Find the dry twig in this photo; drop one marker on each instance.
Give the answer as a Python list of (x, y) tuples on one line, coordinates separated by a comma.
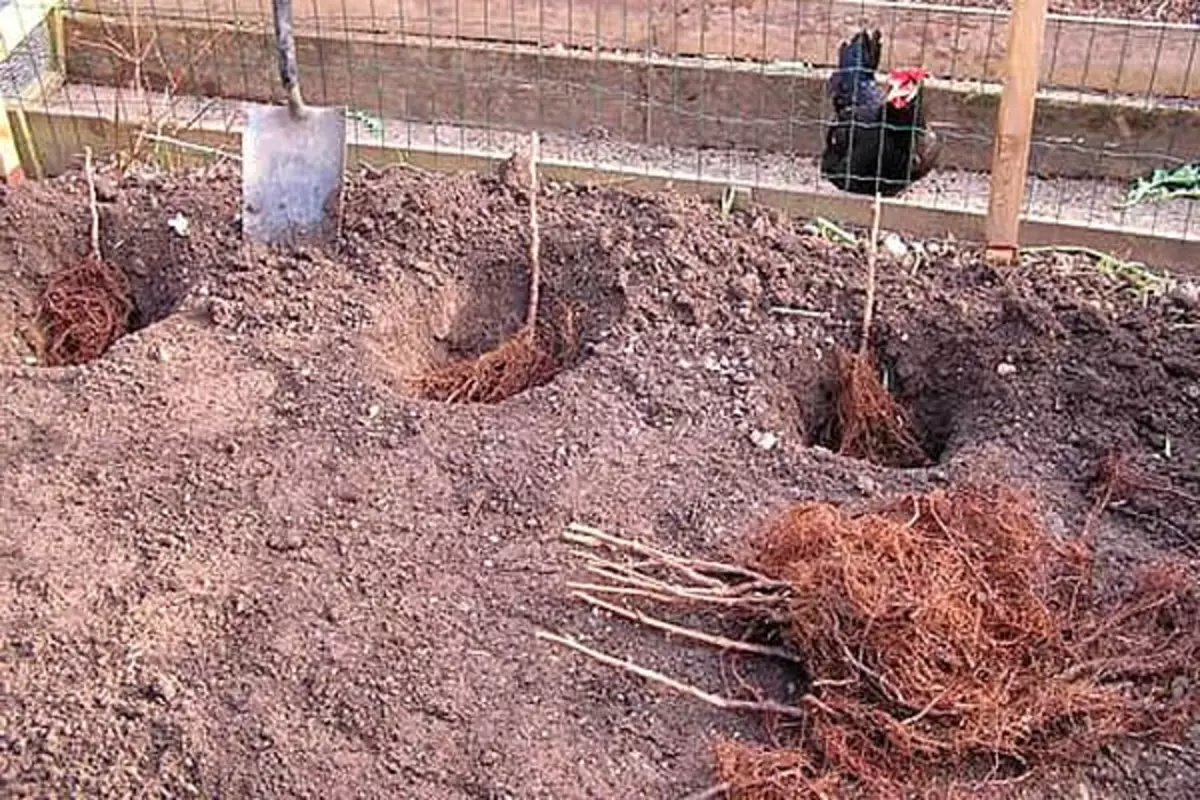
[(694, 569), (717, 701), (535, 237), (710, 793), (719, 642), (89, 174), (872, 266)]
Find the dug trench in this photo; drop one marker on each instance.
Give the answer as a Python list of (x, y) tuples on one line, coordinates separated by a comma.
[(332, 583)]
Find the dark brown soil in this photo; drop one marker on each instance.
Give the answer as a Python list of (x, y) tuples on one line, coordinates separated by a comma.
[(241, 559)]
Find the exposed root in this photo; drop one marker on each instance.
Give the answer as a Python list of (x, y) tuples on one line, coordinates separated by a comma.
[(950, 637), (871, 425), (531, 357), (82, 311), (1117, 479), (87, 307), (760, 773)]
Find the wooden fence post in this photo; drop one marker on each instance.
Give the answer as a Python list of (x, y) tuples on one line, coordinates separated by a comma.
[(1014, 127), (11, 171)]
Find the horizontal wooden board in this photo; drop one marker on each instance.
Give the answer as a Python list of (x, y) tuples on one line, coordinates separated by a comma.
[(703, 103), (953, 42), (62, 129)]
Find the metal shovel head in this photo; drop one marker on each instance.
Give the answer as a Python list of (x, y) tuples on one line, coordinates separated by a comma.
[(292, 172)]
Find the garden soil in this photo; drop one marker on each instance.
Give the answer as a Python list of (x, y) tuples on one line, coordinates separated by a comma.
[(241, 558)]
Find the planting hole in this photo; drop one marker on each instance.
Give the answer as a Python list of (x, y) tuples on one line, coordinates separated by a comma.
[(866, 410), (528, 358), (465, 338), (85, 307), (81, 312)]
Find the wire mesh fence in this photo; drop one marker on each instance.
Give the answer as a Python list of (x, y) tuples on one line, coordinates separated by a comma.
[(725, 91)]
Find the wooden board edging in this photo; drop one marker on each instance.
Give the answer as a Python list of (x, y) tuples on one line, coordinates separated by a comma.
[(696, 103), (963, 43), (59, 138)]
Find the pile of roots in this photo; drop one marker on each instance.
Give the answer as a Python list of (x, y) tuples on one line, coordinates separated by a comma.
[(82, 311), (943, 637), (529, 358)]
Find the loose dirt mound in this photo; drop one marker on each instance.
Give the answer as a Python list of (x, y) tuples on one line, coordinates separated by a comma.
[(242, 558)]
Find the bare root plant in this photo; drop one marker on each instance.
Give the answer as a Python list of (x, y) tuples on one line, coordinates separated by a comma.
[(945, 635), (530, 357), (870, 424), (1116, 479), (85, 307)]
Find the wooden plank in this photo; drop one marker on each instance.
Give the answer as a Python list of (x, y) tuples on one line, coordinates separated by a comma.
[(11, 171), (1014, 128), (953, 42), (62, 130), (682, 102), (18, 20), (485, 85)]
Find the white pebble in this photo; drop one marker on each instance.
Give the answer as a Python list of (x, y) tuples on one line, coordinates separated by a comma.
[(764, 440), (179, 223), (1004, 369), (895, 246)]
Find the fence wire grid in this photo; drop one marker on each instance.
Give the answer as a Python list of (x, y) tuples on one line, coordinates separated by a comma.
[(726, 90)]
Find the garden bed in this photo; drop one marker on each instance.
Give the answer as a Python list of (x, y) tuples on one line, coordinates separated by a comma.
[(243, 555)]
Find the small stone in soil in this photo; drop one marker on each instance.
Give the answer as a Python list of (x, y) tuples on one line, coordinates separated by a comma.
[(764, 440), (164, 688), (106, 189), (895, 246)]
